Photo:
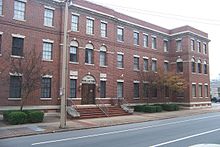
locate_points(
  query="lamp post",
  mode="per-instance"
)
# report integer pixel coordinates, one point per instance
(64, 77)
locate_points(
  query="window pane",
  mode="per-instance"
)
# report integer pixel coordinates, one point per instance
(145, 64)
(193, 90)
(179, 67)
(46, 88)
(75, 22)
(145, 40)
(17, 46)
(0, 44)
(19, 10)
(1, 8)
(165, 46)
(120, 61)
(47, 51)
(103, 29)
(136, 90)
(103, 89)
(192, 45)
(178, 45)
(15, 86)
(154, 42)
(136, 63)
(200, 90)
(136, 38)
(166, 67)
(48, 17)
(72, 88)
(89, 56)
(73, 54)
(154, 65)
(102, 58)
(145, 90)
(90, 26)
(206, 91)
(120, 34)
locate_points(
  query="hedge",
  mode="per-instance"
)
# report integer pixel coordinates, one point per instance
(148, 108)
(170, 107)
(20, 117)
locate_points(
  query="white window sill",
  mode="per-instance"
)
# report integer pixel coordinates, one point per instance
(154, 49)
(145, 70)
(179, 51)
(47, 60)
(89, 64)
(136, 98)
(49, 26)
(14, 56)
(73, 62)
(0, 55)
(74, 98)
(75, 31)
(104, 37)
(194, 97)
(104, 66)
(14, 99)
(23, 20)
(136, 45)
(120, 41)
(46, 99)
(1, 15)
(136, 69)
(90, 34)
(145, 46)
(120, 68)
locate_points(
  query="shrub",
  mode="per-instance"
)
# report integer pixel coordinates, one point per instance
(139, 108)
(158, 108)
(36, 116)
(150, 109)
(170, 107)
(6, 114)
(17, 117)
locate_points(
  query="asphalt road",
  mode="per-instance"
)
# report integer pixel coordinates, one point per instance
(175, 132)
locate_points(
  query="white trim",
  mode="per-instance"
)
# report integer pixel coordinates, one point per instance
(15, 74)
(145, 57)
(106, 98)
(18, 35)
(166, 61)
(1, 33)
(48, 40)
(154, 59)
(137, 56)
(91, 18)
(72, 77)
(120, 81)
(192, 39)
(102, 21)
(49, 7)
(47, 76)
(22, 1)
(136, 81)
(120, 53)
(45, 99)
(188, 32)
(198, 41)
(153, 36)
(103, 79)
(15, 56)
(193, 83)
(179, 39)
(146, 82)
(69, 98)
(76, 14)
(145, 34)
(14, 99)
(120, 27)
(135, 31)
(165, 40)
(200, 83)
(206, 84)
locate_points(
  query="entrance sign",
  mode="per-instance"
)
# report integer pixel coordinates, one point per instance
(88, 80)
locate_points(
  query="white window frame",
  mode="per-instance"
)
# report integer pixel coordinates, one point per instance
(50, 19)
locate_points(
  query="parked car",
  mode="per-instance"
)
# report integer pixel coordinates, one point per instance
(215, 99)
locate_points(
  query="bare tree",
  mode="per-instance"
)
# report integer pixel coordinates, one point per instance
(29, 68)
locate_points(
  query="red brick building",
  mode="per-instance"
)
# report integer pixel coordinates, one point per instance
(107, 50)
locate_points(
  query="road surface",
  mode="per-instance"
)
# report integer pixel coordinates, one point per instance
(175, 132)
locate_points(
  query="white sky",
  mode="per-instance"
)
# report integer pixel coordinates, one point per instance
(203, 15)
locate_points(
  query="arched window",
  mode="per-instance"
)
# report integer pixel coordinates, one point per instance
(199, 66)
(179, 65)
(74, 51)
(102, 56)
(205, 67)
(193, 65)
(89, 57)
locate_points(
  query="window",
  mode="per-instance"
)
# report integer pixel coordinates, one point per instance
(206, 91)
(17, 46)
(120, 34)
(145, 40)
(0, 43)
(45, 87)
(205, 68)
(73, 54)
(167, 93)
(102, 56)
(193, 65)
(47, 51)
(199, 47)
(199, 66)
(48, 17)
(204, 48)
(200, 90)
(15, 86)
(193, 90)
(154, 90)
(179, 65)
(136, 38)
(89, 54)
(166, 67)
(1, 8)
(136, 90)
(103, 29)
(192, 45)
(119, 89)
(72, 88)
(146, 90)
(102, 89)
(19, 10)
(120, 61)
(145, 65)
(165, 46)
(136, 63)
(154, 65)
(154, 42)
(178, 45)
(75, 23)
(89, 26)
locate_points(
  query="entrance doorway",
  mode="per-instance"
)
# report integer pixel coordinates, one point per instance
(88, 90)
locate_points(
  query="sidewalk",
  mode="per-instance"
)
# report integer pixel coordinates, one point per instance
(51, 122)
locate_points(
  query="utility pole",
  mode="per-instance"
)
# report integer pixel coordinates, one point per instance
(64, 77)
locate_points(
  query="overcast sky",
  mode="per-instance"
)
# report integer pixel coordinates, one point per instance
(203, 15)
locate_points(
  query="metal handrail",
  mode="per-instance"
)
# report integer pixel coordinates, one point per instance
(103, 107)
(124, 105)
